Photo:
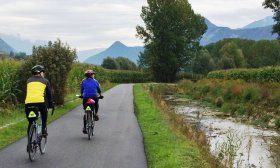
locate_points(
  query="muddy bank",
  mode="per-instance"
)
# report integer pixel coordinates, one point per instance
(231, 140)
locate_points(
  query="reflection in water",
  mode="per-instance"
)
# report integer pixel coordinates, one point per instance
(251, 143)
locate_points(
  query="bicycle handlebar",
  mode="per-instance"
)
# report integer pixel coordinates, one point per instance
(99, 97)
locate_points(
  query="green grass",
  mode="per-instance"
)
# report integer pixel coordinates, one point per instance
(164, 148)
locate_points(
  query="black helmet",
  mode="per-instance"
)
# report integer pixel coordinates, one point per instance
(37, 69)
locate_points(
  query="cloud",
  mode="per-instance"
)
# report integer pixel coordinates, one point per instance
(231, 13)
(87, 24)
(83, 24)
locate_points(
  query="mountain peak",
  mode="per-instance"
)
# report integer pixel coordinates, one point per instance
(118, 44)
(209, 24)
(4, 47)
(267, 21)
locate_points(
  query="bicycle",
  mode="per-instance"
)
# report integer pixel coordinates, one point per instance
(90, 116)
(35, 139)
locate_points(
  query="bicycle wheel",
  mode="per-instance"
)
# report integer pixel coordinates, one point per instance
(43, 144)
(89, 124)
(93, 122)
(32, 142)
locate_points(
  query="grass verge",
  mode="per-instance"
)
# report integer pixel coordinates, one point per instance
(163, 146)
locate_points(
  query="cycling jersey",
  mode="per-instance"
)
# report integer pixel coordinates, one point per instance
(38, 90)
(90, 87)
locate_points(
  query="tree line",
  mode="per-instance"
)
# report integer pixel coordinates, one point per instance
(236, 53)
(119, 63)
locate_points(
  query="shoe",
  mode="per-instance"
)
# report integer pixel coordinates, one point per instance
(96, 117)
(84, 131)
(44, 133)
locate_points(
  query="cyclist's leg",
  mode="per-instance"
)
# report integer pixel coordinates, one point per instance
(84, 117)
(44, 116)
(96, 107)
(29, 121)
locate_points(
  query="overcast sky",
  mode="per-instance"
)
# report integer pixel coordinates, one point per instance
(88, 24)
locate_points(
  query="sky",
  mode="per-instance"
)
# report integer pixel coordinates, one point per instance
(91, 24)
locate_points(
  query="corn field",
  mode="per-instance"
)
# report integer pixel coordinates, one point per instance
(9, 81)
(267, 74)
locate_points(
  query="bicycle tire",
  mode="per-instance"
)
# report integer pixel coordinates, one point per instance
(43, 144)
(93, 122)
(32, 142)
(89, 124)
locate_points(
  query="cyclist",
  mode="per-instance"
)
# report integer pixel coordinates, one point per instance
(38, 94)
(90, 88)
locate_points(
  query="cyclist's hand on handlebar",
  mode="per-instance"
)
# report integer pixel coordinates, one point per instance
(101, 97)
(81, 96)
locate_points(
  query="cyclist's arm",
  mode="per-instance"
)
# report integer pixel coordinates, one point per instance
(82, 89)
(98, 88)
(49, 95)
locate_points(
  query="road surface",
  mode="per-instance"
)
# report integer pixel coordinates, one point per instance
(117, 143)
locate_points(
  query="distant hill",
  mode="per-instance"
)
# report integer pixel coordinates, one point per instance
(215, 33)
(268, 21)
(20, 44)
(5, 48)
(117, 49)
(83, 55)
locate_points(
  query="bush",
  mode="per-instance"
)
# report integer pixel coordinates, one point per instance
(57, 58)
(277, 123)
(219, 102)
(228, 95)
(251, 94)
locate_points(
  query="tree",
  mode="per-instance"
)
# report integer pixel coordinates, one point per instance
(110, 63)
(57, 58)
(126, 64)
(275, 6)
(231, 56)
(171, 37)
(203, 62)
(121, 63)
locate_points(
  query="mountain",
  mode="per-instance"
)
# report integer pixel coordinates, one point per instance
(117, 49)
(83, 55)
(5, 48)
(268, 21)
(210, 25)
(215, 33)
(20, 44)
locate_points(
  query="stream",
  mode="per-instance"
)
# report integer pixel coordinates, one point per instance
(226, 135)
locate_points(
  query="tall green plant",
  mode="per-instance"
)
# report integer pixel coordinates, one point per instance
(57, 58)
(171, 37)
(9, 86)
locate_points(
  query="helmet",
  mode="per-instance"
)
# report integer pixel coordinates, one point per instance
(90, 101)
(89, 73)
(37, 69)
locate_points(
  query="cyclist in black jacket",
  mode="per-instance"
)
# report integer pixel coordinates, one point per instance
(38, 93)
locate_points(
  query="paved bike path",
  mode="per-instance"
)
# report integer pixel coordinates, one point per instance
(117, 143)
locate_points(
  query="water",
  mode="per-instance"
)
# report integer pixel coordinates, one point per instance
(250, 144)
